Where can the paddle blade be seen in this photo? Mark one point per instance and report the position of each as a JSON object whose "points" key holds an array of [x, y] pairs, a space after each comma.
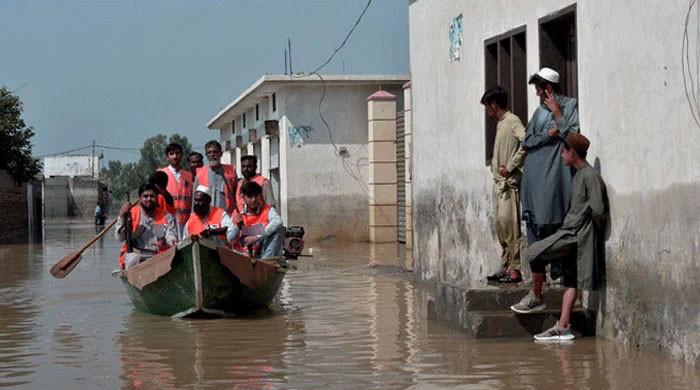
{"points": [[64, 266]]}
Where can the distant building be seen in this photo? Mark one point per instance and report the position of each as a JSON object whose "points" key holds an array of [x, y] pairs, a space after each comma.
{"points": [[634, 106], [71, 186], [319, 172], [71, 166]]}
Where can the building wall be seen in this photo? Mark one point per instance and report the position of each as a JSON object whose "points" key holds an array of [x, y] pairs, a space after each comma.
{"points": [[13, 210], [71, 196], [633, 107], [327, 193], [71, 166]]}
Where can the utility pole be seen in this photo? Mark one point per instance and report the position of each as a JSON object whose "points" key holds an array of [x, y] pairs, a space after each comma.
{"points": [[285, 61], [92, 160], [289, 50]]}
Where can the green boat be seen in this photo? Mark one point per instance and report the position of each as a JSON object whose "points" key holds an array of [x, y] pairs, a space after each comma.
{"points": [[199, 278]]}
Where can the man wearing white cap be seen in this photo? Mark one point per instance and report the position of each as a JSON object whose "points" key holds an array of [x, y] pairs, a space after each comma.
{"points": [[207, 220], [546, 182]]}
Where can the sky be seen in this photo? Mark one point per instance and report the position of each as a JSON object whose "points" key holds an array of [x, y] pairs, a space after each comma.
{"points": [[118, 72]]}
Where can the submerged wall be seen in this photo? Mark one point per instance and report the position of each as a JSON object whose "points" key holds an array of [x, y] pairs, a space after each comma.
{"points": [[634, 109]]}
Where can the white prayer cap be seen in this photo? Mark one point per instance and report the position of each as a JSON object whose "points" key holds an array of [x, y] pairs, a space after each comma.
{"points": [[545, 74], [203, 189]]}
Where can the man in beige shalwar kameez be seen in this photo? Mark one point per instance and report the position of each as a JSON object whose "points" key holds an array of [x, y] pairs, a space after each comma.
{"points": [[506, 167]]}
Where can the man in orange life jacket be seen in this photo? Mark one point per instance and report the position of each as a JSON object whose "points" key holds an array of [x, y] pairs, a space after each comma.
{"points": [[208, 221], [249, 167], [195, 160], [220, 178], [152, 227], [260, 224], [179, 186]]}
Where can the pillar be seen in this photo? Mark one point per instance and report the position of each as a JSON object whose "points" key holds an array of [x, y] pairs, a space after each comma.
{"points": [[383, 220]]}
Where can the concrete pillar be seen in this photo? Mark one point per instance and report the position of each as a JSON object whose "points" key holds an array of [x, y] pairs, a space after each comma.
{"points": [[408, 145], [383, 220], [265, 158], [237, 162]]}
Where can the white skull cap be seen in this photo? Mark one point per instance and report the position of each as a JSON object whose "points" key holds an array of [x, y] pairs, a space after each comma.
{"points": [[203, 189], [547, 74]]}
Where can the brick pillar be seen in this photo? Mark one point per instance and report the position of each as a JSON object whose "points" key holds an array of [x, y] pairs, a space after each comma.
{"points": [[408, 152], [383, 221]]}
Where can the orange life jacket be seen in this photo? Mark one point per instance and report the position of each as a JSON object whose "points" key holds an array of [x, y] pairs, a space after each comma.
{"points": [[162, 204], [195, 225], [250, 220], [260, 179], [229, 182], [160, 218], [181, 193]]}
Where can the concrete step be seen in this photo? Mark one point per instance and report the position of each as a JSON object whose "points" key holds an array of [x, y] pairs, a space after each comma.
{"points": [[485, 312], [492, 298]]}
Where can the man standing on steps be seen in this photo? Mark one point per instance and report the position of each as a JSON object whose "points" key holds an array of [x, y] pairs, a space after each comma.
{"points": [[249, 167], [506, 167], [179, 185], [578, 246], [546, 184], [220, 178]]}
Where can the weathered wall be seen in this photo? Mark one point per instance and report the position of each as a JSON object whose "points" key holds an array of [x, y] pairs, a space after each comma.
{"points": [[633, 107], [71, 166], [326, 193], [13, 210], [71, 196]]}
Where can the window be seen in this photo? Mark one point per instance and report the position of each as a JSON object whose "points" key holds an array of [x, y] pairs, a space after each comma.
{"points": [[233, 127], [505, 60], [558, 47], [257, 112], [244, 124], [274, 102]]}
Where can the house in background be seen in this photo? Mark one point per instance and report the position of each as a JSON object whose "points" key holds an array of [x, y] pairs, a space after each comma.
{"points": [[311, 139], [635, 104], [71, 187]]}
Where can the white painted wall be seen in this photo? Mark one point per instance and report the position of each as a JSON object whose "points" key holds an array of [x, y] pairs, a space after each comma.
{"points": [[633, 108], [71, 166]]}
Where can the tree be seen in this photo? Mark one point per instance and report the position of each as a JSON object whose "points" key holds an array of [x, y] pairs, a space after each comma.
{"points": [[127, 177], [15, 146]]}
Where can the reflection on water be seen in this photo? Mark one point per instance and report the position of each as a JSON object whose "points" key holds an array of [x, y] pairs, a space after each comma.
{"points": [[337, 324]]}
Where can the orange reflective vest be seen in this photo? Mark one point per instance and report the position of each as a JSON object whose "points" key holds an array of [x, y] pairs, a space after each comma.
{"points": [[160, 218], [260, 179], [162, 204], [250, 220], [195, 225], [229, 179], [181, 193]]}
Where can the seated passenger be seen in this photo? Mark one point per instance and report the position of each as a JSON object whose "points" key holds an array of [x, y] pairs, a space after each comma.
{"points": [[152, 228], [258, 231], [164, 199], [208, 221]]}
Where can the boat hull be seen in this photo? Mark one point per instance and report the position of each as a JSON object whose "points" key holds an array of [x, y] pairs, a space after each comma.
{"points": [[199, 278]]}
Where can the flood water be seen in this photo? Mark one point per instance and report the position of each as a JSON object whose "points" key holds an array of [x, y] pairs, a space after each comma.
{"points": [[338, 324]]}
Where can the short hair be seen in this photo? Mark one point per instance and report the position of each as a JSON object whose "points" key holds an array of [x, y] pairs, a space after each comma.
{"points": [[147, 187], [251, 189], [195, 154], [159, 177], [172, 147], [212, 143], [250, 157], [496, 95], [542, 83]]}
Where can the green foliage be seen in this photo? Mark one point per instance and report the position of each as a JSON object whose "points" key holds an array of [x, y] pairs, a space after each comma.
{"points": [[129, 176], [15, 146]]}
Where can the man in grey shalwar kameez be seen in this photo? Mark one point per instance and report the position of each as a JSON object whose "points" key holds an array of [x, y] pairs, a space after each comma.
{"points": [[546, 183], [577, 246]]}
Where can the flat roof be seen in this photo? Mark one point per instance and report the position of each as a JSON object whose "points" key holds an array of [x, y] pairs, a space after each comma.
{"points": [[266, 84]]}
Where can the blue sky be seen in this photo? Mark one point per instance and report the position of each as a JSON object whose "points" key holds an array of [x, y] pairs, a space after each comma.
{"points": [[121, 71]]}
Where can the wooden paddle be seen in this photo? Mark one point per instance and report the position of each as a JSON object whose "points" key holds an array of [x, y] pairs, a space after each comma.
{"points": [[64, 266]]}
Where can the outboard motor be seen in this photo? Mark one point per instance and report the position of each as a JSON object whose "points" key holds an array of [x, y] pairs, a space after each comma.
{"points": [[293, 242]]}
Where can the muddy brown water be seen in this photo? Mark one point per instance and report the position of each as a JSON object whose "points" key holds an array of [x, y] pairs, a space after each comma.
{"points": [[337, 324]]}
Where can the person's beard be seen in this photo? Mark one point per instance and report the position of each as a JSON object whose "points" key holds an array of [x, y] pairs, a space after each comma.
{"points": [[149, 209], [202, 211]]}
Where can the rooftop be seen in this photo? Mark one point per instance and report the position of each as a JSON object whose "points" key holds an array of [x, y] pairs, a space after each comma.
{"points": [[267, 84]]}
